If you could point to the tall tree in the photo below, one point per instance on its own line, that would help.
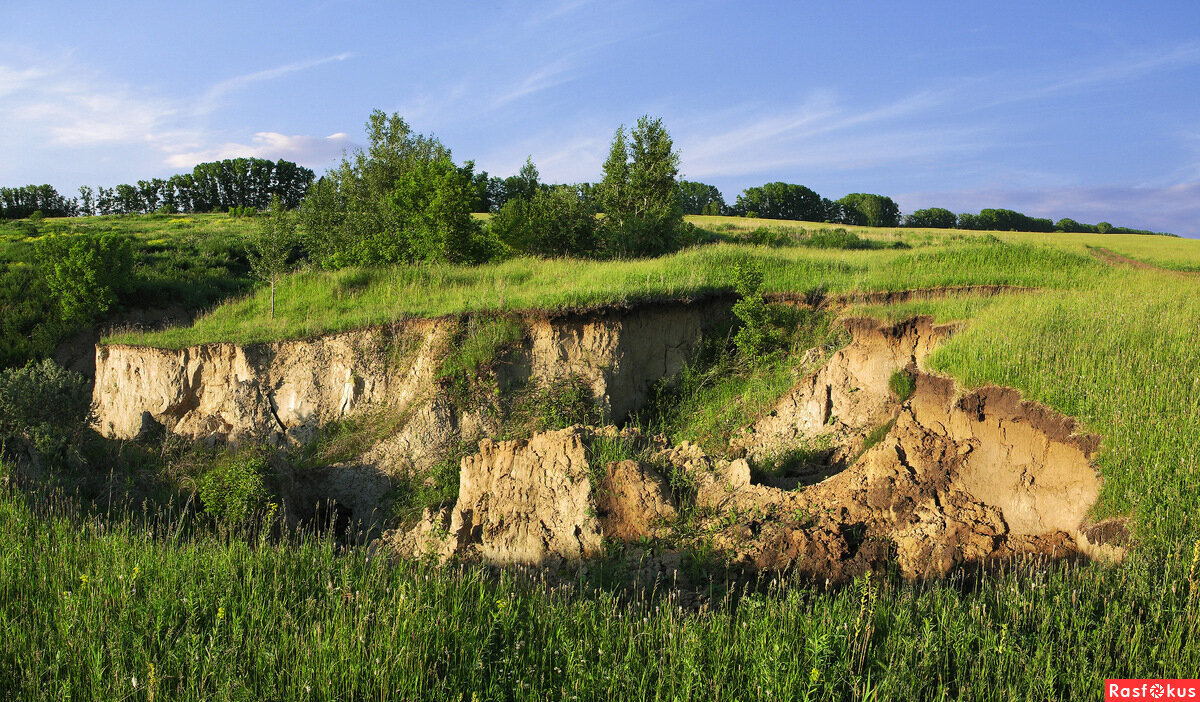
(525, 183)
(640, 191)
(867, 209)
(87, 200)
(400, 199)
(270, 245)
(932, 218)
(781, 201)
(700, 198)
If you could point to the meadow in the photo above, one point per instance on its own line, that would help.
(138, 604)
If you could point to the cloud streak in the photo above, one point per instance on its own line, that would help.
(211, 98)
(823, 133)
(67, 105)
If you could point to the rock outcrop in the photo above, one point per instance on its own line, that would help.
(285, 391)
(957, 478)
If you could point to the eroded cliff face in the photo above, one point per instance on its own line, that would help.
(955, 478)
(286, 391)
(280, 391)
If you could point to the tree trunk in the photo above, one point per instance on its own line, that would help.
(272, 299)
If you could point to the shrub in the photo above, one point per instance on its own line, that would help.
(86, 273)
(44, 408)
(836, 239)
(474, 350)
(902, 384)
(756, 332)
(412, 495)
(605, 450)
(554, 222)
(235, 489)
(556, 405)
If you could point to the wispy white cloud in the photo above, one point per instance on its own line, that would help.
(822, 133)
(71, 111)
(211, 98)
(63, 103)
(302, 149)
(548, 76)
(1068, 80)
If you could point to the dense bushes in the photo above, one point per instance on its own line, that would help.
(43, 410)
(554, 222)
(85, 273)
(400, 200)
(234, 490)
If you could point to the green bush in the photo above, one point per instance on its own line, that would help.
(756, 332)
(836, 239)
(478, 345)
(556, 405)
(400, 200)
(554, 222)
(438, 488)
(86, 273)
(902, 384)
(234, 490)
(43, 408)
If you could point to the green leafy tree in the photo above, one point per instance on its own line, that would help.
(640, 191)
(866, 209)
(400, 199)
(85, 273)
(87, 200)
(700, 198)
(557, 221)
(780, 201)
(270, 246)
(524, 184)
(932, 218)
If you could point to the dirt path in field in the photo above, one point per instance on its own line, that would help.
(1113, 258)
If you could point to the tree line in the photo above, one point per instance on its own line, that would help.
(217, 186)
(402, 198)
(355, 203)
(1009, 220)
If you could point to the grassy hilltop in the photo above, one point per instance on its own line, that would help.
(92, 601)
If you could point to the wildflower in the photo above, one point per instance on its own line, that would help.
(220, 613)
(134, 681)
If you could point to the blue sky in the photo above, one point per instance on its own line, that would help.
(1084, 110)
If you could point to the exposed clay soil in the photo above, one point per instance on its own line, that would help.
(953, 478)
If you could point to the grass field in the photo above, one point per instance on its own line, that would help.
(315, 302)
(89, 603)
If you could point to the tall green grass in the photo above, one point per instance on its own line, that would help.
(130, 609)
(316, 302)
(1121, 356)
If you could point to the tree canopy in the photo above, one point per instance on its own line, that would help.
(401, 199)
(640, 191)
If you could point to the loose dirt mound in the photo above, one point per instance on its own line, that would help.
(954, 479)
